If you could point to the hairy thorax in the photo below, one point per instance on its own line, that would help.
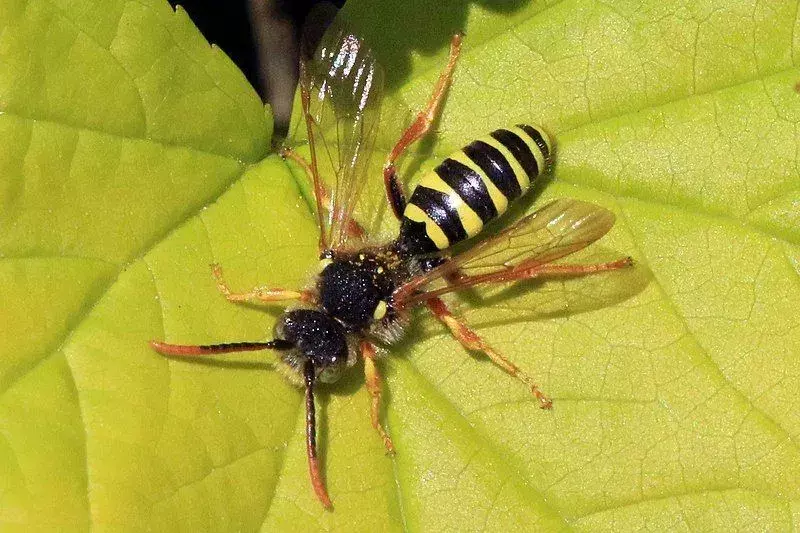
(356, 289)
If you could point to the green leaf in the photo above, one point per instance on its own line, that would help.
(134, 155)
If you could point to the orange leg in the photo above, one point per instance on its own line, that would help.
(471, 341)
(353, 227)
(373, 379)
(314, 471)
(573, 270)
(417, 129)
(458, 280)
(261, 294)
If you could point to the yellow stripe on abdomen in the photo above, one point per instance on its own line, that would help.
(498, 198)
(469, 219)
(520, 174)
(472, 187)
(434, 232)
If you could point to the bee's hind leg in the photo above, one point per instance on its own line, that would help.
(373, 379)
(421, 125)
(471, 341)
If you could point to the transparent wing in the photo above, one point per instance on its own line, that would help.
(558, 229)
(341, 87)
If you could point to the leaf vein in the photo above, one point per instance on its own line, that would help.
(480, 438)
(673, 306)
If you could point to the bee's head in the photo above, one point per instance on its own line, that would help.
(317, 337)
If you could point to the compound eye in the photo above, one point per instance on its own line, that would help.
(380, 310)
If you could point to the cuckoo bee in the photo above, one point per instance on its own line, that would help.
(363, 292)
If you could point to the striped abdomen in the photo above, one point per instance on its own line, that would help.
(471, 187)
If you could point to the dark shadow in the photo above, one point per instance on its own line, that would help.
(273, 309)
(554, 297)
(401, 28)
(227, 25)
(262, 37)
(352, 380)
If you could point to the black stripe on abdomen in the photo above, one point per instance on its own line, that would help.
(536, 135)
(469, 185)
(437, 206)
(521, 151)
(492, 162)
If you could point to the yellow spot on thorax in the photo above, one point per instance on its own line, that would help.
(380, 311)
